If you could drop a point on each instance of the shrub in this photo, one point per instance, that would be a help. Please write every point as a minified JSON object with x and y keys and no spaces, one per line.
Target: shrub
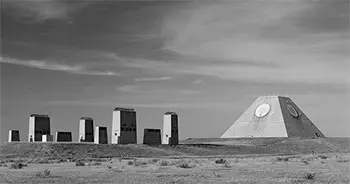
{"x":44,"y":173}
{"x":164,"y":163}
{"x":94,"y":164}
{"x":137,"y":162}
{"x":310,"y":176}
{"x":285,"y":159}
{"x":227,"y":165}
{"x":217,"y":175}
{"x":185,"y":165}
{"x":220,"y":161}
{"x":323,"y":156}
{"x":17,"y":165}
{"x":79,"y":163}
{"x":154,"y":160}
{"x":305,"y":162}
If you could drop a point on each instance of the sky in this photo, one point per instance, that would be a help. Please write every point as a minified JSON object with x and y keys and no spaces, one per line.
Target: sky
{"x":206,"y":60}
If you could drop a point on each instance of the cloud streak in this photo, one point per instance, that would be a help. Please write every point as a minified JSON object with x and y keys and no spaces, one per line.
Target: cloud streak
{"x":41,"y":10}
{"x":44,"y":65}
{"x":152,"y":79}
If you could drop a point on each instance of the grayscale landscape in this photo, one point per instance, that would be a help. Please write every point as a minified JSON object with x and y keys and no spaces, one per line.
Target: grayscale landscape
{"x":174,"y":91}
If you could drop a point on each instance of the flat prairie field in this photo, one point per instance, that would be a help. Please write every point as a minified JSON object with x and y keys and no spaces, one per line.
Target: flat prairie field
{"x":299,"y":168}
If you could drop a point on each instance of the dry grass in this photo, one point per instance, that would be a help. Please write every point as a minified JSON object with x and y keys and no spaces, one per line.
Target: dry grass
{"x":44,"y":173}
{"x":188,"y":170}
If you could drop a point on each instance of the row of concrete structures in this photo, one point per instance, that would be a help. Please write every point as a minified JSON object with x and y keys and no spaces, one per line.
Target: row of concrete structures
{"x":124,"y":130}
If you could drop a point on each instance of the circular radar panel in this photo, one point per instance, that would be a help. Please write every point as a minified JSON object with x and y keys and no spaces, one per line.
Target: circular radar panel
{"x":292,"y":111}
{"x":262,"y":110}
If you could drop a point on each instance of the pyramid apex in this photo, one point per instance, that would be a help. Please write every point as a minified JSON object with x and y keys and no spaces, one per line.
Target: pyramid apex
{"x":273,"y":96}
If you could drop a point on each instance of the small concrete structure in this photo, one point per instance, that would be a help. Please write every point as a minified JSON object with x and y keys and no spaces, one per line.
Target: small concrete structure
{"x":13,"y":136}
{"x":124,"y":129}
{"x":47,"y":138}
{"x":38,"y":125}
{"x":86,"y":129}
{"x":101,"y":135}
{"x":151,"y":136}
{"x":170,"y":129}
{"x":63,"y":137}
{"x":273,"y":116}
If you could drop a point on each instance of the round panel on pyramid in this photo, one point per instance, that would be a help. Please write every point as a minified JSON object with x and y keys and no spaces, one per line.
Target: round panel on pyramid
{"x":262,"y":110}
{"x":292,"y":111}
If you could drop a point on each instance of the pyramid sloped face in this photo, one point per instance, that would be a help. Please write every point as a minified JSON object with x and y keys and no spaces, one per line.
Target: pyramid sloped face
{"x":262,"y":119}
{"x":272,"y":116}
{"x":296,"y":122}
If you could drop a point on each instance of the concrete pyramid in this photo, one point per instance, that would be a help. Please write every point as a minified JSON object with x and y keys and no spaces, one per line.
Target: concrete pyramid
{"x":273,"y":116}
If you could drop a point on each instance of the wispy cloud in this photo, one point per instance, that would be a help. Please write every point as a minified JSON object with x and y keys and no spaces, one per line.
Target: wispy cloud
{"x":44,"y":65}
{"x":41,"y":10}
{"x":114,"y":103}
{"x":199,"y":81}
{"x":294,"y":44}
{"x":156,"y":91}
{"x":152,"y":79}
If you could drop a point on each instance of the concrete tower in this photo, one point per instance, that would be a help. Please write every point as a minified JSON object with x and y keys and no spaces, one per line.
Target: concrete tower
{"x":273,"y":116}
{"x":170,"y":129}
{"x":38,"y":125}
{"x":47,"y":138}
{"x":151,"y":136}
{"x":101,"y":135}
{"x":86,"y":129}
{"x":13,"y":136}
{"x":124,"y":130}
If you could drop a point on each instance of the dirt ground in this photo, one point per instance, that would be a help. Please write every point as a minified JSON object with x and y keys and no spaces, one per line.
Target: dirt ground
{"x":321,"y":168}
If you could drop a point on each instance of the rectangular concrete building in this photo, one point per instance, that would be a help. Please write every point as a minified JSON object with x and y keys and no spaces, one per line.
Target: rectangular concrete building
{"x":63,"y":137}
{"x":13,"y":136}
{"x":124,"y":129}
{"x":151,"y":136}
{"x":170,"y":129}
{"x":101,"y":135}
{"x":86,"y":129}
{"x":47,"y":138}
{"x":38,"y":125}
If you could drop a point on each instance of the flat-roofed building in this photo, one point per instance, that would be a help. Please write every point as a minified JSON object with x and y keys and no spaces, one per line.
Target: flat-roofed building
{"x":86,"y":129}
{"x":63,"y":136}
{"x":38,"y":125}
{"x":13,"y":136}
{"x":151,"y":136}
{"x":124,"y":129}
{"x":101,"y":135}
{"x":170,"y":129}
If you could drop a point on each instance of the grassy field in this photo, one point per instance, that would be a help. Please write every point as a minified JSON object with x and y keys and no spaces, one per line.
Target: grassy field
{"x":320,"y":168}
{"x":268,"y":146}
{"x":270,"y":160}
